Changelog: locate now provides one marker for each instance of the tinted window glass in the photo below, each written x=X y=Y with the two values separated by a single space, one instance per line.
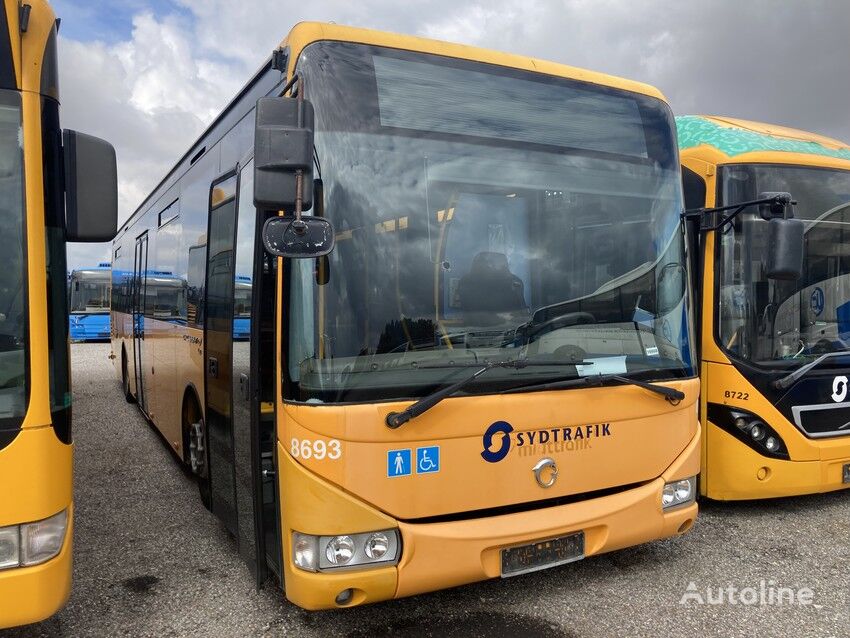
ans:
x=13 y=311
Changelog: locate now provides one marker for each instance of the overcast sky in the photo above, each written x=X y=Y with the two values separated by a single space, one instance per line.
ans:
x=148 y=75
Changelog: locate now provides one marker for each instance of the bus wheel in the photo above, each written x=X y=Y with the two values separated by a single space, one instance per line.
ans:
x=198 y=459
x=197 y=449
x=125 y=378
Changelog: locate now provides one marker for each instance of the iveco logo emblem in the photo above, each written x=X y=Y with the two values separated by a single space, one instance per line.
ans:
x=545 y=472
x=839 y=389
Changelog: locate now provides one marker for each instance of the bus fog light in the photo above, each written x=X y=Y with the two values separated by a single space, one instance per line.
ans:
x=377 y=545
x=678 y=493
x=9 y=546
x=305 y=551
x=43 y=540
x=340 y=550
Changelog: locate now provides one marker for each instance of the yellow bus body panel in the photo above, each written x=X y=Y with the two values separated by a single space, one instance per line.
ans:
x=446 y=554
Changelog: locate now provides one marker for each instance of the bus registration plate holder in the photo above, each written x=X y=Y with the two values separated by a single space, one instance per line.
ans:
x=542 y=554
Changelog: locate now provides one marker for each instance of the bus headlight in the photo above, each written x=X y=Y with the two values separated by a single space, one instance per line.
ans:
x=678 y=493
x=10 y=546
x=327 y=553
x=32 y=543
x=340 y=550
x=42 y=540
x=304 y=551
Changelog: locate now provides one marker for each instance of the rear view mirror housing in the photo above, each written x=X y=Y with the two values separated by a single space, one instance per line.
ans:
x=91 y=188
x=283 y=151
x=298 y=238
x=784 y=260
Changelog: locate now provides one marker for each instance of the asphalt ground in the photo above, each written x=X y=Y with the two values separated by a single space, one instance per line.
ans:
x=151 y=561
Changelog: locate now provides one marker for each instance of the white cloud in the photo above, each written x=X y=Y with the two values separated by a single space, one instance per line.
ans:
x=154 y=93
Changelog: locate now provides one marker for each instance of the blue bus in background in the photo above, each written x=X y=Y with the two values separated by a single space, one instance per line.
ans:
x=242 y=308
x=89 y=292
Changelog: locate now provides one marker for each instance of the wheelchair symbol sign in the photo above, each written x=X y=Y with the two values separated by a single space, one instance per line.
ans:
x=428 y=459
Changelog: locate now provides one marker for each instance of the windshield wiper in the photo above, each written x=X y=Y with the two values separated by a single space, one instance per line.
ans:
x=786 y=381
x=395 y=420
x=672 y=395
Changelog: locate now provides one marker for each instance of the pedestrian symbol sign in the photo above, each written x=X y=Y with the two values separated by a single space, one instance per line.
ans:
x=428 y=459
x=398 y=463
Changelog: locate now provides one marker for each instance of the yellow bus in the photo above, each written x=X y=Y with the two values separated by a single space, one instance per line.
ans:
x=774 y=371
x=55 y=186
x=472 y=359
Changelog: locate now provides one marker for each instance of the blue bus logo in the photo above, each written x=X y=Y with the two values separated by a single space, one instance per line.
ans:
x=817 y=301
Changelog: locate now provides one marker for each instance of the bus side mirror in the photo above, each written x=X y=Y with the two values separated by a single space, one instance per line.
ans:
x=785 y=249
x=283 y=150
x=91 y=188
x=298 y=238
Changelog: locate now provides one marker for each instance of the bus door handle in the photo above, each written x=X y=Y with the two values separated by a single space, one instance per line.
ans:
x=212 y=367
x=244 y=387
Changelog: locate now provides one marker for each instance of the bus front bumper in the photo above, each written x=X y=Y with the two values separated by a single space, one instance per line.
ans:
x=446 y=554
x=32 y=594
x=737 y=472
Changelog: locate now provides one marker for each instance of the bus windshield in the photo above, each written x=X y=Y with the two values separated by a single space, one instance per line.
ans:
x=90 y=291
x=13 y=317
x=782 y=323
x=484 y=213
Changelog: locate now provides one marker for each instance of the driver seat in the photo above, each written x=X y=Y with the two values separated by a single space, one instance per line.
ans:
x=490 y=287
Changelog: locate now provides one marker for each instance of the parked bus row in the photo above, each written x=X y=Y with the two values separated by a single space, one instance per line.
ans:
x=424 y=314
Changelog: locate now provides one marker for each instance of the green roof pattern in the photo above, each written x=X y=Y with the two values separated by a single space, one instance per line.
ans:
x=694 y=130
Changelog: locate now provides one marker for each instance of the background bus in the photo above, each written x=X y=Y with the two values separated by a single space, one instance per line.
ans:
x=89 y=292
x=767 y=432
x=488 y=208
x=37 y=217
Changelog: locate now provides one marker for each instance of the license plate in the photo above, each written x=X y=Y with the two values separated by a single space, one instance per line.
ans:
x=542 y=554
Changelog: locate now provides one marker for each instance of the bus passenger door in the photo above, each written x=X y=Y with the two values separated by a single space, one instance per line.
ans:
x=140 y=269
x=218 y=351
x=247 y=394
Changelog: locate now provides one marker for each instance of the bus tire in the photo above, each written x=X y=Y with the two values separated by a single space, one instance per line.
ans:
x=125 y=378
x=195 y=442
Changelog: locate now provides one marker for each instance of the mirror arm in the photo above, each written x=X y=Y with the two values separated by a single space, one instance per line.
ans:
x=711 y=219
x=297 y=225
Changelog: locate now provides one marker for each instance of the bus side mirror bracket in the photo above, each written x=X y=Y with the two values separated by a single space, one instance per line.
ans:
x=771 y=206
x=91 y=188
x=785 y=240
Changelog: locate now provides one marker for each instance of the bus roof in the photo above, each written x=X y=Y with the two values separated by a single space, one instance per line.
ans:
x=732 y=138
x=305 y=33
